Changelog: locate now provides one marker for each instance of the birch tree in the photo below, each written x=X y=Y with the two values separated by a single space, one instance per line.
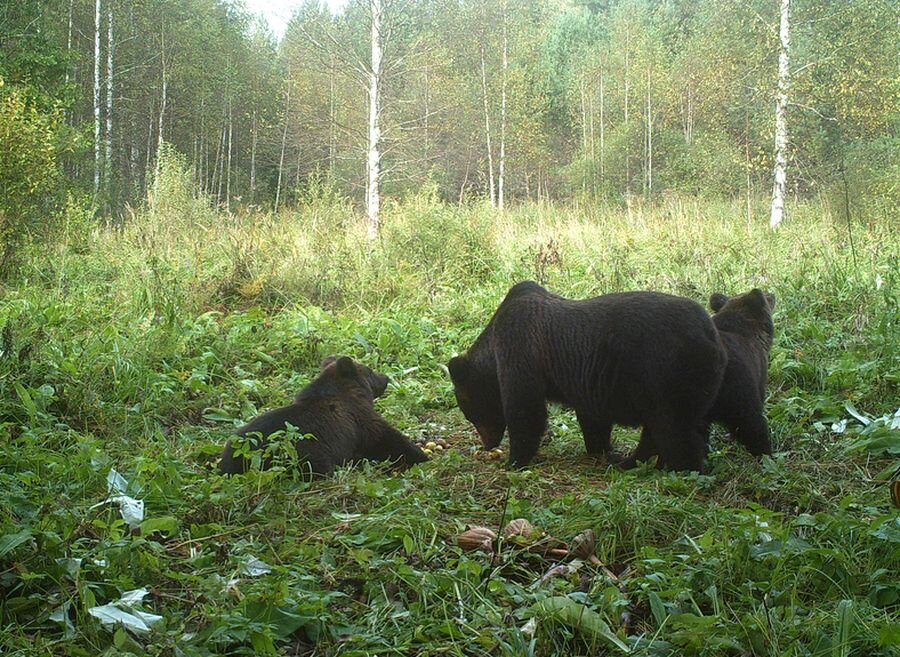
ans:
x=97 y=29
x=108 y=168
x=781 y=129
x=373 y=152
x=502 y=165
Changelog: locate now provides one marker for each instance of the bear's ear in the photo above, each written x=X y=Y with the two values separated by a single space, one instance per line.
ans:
x=346 y=367
x=717 y=301
x=762 y=300
x=459 y=368
x=326 y=362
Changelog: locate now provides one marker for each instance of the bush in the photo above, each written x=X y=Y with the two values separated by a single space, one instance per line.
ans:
x=28 y=174
x=873 y=177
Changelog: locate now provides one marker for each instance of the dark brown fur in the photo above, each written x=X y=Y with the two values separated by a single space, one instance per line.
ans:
x=337 y=409
x=745 y=325
x=634 y=358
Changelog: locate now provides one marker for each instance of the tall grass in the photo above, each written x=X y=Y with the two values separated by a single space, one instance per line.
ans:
x=144 y=346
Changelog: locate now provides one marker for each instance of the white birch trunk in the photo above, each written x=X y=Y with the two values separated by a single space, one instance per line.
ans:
x=627 y=149
x=502 y=164
x=287 y=111
x=228 y=160
x=109 y=101
x=332 y=136
x=221 y=165
x=96 y=98
x=69 y=38
x=254 y=137
x=602 y=132
x=747 y=163
x=487 y=130
x=162 y=100
x=781 y=130
x=427 y=112
x=373 y=160
x=649 y=138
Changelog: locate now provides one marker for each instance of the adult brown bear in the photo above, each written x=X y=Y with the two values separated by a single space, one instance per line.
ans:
x=745 y=325
x=336 y=409
x=634 y=358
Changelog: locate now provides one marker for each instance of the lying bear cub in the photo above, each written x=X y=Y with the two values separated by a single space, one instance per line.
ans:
x=634 y=358
x=745 y=326
x=337 y=409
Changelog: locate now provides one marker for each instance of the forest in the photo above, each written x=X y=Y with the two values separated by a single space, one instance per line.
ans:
x=196 y=213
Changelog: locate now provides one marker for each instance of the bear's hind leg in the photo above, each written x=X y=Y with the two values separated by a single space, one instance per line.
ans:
x=753 y=433
x=646 y=448
x=683 y=449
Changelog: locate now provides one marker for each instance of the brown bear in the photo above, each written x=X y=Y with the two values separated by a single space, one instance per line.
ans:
x=633 y=358
x=745 y=325
x=336 y=408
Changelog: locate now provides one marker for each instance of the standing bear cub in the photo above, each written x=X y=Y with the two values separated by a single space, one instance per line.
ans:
x=336 y=408
x=634 y=358
x=745 y=325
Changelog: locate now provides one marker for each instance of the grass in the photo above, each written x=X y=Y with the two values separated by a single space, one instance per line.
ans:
x=142 y=347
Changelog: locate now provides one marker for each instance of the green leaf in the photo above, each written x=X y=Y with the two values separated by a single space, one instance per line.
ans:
x=889 y=635
x=578 y=617
x=657 y=608
x=10 y=542
x=163 y=525
x=262 y=644
x=841 y=647
x=25 y=398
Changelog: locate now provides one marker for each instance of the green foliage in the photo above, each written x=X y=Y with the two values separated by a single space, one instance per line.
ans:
x=28 y=173
x=872 y=178
x=143 y=354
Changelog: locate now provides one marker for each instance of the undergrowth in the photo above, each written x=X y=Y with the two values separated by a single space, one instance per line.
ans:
x=140 y=351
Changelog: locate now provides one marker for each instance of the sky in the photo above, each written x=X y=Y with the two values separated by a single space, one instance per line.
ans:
x=278 y=12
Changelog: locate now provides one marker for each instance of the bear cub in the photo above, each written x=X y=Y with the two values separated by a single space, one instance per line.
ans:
x=745 y=325
x=633 y=358
x=337 y=409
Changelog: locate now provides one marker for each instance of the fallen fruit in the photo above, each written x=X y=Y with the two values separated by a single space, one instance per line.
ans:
x=476 y=538
x=518 y=527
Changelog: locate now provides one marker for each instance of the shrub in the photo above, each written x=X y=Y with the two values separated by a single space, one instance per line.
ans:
x=28 y=174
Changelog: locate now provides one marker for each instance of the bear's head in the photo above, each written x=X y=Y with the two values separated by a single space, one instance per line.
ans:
x=346 y=377
x=749 y=313
x=478 y=395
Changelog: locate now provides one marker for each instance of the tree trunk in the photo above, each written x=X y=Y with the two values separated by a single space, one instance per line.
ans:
x=162 y=101
x=649 y=138
x=69 y=39
x=254 y=137
x=373 y=160
x=96 y=100
x=228 y=159
x=781 y=130
x=627 y=144
x=501 y=172
x=487 y=130
x=223 y=157
x=332 y=118
x=201 y=151
x=426 y=145
x=602 y=131
x=107 y=182
x=287 y=111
